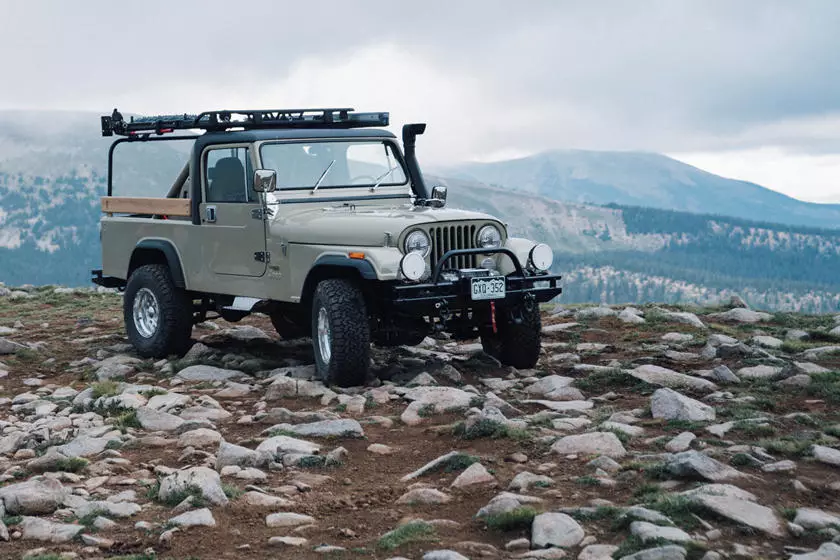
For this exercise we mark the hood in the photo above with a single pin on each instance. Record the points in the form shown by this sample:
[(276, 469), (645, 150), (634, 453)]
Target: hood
[(362, 225)]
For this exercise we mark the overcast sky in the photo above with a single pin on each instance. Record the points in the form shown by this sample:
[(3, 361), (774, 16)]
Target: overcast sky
[(748, 89)]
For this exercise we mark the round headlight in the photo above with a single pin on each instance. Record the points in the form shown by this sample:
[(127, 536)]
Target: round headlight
[(489, 237), (541, 257), (413, 266), (417, 242)]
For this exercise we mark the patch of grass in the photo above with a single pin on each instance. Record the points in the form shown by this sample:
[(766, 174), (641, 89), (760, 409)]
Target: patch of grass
[(27, 355), (788, 513), (519, 518), (587, 480), (49, 556), (633, 544), (312, 462), (825, 386), (623, 437), (787, 445), (679, 509), (341, 408), (741, 460), (753, 429), (605, 380), (136, 557), (127, 419), (370, 403), (415, 531), (232, 492), (596, 514), (647, 492), (113, 444), (12, 519), (280, 432), (797, 346), (833, 430), (655, 471), (477, 401), (682, 426), (457, 463), (153, 392), (105, 389), (176, 498), (486, 428), (802, 322), (70, 464), (426, 411), (88, 520)]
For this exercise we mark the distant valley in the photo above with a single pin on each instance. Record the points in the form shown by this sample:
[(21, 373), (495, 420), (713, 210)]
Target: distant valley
[(617, 221)]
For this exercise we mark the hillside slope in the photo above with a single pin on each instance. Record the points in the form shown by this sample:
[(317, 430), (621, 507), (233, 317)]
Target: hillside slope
[(644, 179)]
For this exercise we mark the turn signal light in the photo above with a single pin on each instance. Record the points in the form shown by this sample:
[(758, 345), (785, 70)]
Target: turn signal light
[(356, 255)]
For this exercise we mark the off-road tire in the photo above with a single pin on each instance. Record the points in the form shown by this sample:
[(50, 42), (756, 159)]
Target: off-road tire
[(515, 344), (174, 326), (286, 327), (346, 314)]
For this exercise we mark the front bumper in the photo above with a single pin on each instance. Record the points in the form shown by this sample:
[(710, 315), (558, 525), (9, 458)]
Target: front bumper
[(439, 295)]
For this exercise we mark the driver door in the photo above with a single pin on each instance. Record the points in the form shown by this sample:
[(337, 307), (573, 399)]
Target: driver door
[(233, 228)]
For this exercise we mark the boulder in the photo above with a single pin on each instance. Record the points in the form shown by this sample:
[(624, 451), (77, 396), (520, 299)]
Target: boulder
[(195, 518), (664, 377), (344, 427), (38, 529), (694, 464), (592, 443), (157, 420), (35, 496), (288, 519), (202, 479), (740, 315), (555, 529), (207, 373), (670, 405)]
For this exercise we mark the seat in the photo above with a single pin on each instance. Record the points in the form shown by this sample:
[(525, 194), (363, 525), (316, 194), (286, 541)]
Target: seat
[(227, 181)]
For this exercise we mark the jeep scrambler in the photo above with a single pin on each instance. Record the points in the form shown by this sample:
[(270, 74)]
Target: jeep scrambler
[(317, 219)]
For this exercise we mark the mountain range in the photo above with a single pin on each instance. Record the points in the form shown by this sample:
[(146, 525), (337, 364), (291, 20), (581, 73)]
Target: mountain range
[(625, 227)]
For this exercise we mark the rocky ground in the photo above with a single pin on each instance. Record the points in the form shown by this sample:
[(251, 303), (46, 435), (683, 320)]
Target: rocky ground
[(644, 433)]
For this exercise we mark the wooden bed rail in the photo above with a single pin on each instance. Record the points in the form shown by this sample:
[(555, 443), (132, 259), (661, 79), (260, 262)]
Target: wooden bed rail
[(156, 206)]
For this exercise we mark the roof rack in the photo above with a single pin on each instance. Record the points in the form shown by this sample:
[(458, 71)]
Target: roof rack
[(242, 119)]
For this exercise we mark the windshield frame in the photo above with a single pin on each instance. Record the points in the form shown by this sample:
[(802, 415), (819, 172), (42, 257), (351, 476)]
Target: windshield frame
[(395, 151)]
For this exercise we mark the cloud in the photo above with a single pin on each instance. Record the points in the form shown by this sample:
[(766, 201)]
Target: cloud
[(491, 77)]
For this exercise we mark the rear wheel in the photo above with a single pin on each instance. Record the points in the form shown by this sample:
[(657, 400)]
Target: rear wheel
[(340, 333), (157, 314), (515, 344)]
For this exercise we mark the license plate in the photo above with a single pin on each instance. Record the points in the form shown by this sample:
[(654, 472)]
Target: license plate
[(488, 288)]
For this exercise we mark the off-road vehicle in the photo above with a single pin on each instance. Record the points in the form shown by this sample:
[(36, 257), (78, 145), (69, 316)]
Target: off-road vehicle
[(316, 218)]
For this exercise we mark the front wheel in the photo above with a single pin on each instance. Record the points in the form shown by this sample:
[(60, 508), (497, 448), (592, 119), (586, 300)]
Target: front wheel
[(340, 333), (157, 314), (515, 344)]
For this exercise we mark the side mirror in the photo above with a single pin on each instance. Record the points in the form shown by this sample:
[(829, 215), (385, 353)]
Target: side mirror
[(265, 180), (438, 198)]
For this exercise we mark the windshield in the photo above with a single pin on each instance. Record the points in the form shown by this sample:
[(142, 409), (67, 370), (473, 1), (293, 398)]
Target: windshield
[(336, 164)]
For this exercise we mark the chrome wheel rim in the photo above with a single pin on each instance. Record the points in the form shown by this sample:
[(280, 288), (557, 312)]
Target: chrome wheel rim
[(324, 336), (146, 313)]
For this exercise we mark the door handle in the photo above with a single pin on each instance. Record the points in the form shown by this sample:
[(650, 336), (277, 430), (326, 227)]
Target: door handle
[(210, 213)]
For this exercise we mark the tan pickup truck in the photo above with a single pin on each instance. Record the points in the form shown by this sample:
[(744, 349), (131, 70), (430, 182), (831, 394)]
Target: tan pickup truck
[(318, 219)]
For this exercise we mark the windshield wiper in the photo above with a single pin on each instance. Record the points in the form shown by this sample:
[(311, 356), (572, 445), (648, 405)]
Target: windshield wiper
[(321, 178), (378, 180)]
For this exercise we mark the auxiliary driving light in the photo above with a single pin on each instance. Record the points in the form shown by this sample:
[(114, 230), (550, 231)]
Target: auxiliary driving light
[(413, 265), (541, 257)]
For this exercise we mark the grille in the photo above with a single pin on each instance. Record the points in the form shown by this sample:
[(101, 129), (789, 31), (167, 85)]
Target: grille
[(447, 238)]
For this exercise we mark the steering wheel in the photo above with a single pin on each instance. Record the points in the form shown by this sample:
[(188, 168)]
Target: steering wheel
[(370, 182)]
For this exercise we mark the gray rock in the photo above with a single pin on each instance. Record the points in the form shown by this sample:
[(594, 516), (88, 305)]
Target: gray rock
[(555, 529), (548, 384), (738, 505), (670, 552), (680, 443), (685, 319), (473, 475), (38, 529), (288, 519), (9, 347), (33, 497), (815, 354), (442, 398), (231, 454), (694, 464), (649, 532), (671, 405), (767, 341), (760, 372), (205, 480), (157, 420), (592, 443), (431, 465), (424, 496), (742, 316), (83, 446), (657, 375), (444, 555), (597, 552), (797, 334), (345, 427), (827, 455), (524, 480), (629, 317), (207, 373), (197, 517), (595, 312), (826, 551), (723, 374), (811, 518), (281, 445)]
